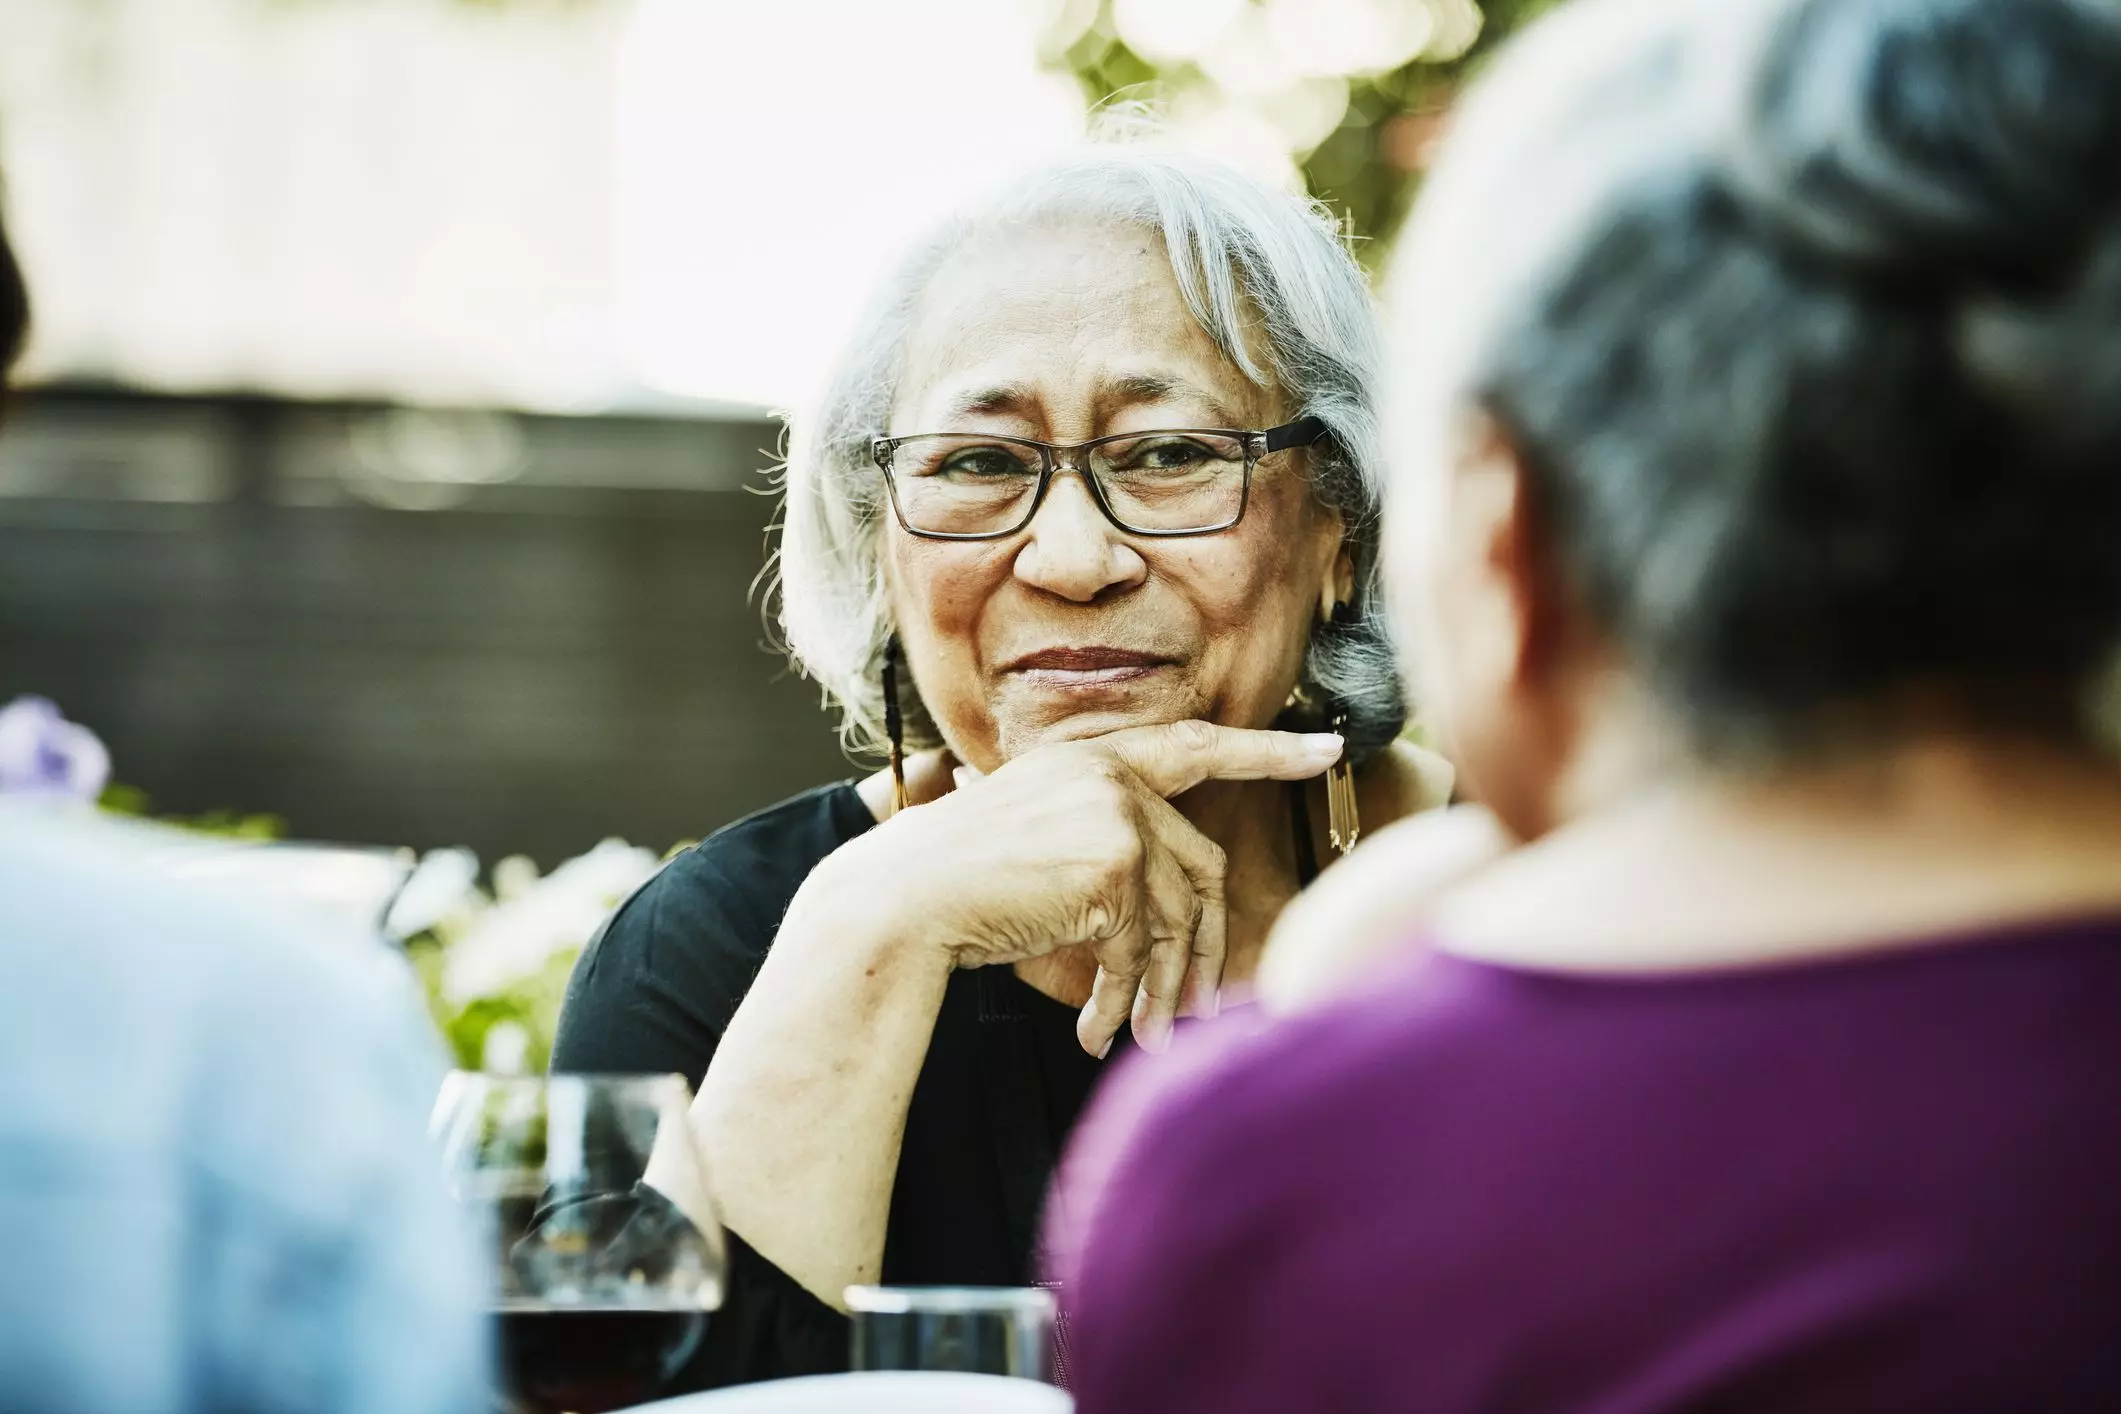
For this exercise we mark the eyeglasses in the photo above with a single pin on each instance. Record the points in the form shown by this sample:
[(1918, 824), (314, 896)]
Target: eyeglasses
[(975, 486)]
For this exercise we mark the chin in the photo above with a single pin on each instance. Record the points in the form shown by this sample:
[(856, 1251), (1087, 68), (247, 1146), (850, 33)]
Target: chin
[(1023, 736), (1028, 733)]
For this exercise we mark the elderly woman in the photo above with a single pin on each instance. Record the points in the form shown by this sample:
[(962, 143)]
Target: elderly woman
[(1759, 525), (1088, 508)]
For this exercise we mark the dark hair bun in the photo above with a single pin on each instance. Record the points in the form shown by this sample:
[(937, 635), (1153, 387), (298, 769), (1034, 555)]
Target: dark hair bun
[(1954, 141), (1824, 403)]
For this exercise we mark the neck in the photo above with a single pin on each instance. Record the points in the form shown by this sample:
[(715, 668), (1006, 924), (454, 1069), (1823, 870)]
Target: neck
[(1249, 820), (1935, 835)]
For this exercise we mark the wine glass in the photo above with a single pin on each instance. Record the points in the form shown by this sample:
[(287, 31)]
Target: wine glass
[(609, 1257)]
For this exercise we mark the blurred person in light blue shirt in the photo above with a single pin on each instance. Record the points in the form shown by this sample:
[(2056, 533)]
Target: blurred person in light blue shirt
[(215, 1191)]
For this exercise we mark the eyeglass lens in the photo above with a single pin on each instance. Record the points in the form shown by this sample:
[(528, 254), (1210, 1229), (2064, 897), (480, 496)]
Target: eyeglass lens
[(1158, 481)]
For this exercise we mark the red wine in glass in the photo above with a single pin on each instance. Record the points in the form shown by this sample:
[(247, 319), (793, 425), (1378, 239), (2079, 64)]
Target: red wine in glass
[(607, 1251), (572, 1360)]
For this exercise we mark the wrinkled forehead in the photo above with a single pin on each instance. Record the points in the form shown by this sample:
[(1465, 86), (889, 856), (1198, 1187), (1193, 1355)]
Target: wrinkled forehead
[(1019, 317), (1575, 111)]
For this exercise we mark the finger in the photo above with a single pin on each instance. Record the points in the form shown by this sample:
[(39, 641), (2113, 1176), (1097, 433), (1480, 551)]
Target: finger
[(1202, 867), (1122, 955), (1174, 915), (1111, 1002), (1174, 758), (1205, 867)]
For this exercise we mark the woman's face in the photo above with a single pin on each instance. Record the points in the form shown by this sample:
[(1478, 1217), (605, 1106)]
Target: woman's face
[(1496, 656), (1071, 627)]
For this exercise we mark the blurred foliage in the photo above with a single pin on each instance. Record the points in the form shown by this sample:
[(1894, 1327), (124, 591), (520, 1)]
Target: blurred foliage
[(530, 1004), (1368, 166), (131, 801)]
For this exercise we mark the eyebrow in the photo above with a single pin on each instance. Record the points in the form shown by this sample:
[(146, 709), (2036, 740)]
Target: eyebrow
[(1001, 397), (1126, 390), (1155, 387)]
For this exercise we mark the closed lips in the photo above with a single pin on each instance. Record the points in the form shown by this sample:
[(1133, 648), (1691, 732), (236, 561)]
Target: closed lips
[(1085, 660), (1086, 667)]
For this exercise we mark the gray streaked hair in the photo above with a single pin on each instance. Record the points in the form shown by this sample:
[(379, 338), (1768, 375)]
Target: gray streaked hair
[(1246, 257)]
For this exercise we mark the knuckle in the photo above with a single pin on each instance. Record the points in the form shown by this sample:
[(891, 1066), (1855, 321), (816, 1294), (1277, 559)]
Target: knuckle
[(1106, 769), (1120, 846), (1193, 735)]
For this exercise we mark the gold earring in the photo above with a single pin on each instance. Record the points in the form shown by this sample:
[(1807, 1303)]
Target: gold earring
[(1343, 820)]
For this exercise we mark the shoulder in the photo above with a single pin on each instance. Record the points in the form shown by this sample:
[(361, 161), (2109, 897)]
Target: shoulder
[(1244, 1092), (180, 992), (1404, 779), (663, 975), (1146, 1217), (752, 866), (273, 1069), (98, 899), (1371, 909), (1293, 1103)]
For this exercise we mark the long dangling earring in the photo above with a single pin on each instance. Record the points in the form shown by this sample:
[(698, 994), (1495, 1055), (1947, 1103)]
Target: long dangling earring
[(1343, 821), (894, 727)]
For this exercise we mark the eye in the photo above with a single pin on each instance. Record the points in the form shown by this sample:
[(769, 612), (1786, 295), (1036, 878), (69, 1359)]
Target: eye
[(1166, 453), (982, 463)]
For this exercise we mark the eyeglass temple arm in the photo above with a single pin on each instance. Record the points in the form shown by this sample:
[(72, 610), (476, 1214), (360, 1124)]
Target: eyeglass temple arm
[(1300, 433)]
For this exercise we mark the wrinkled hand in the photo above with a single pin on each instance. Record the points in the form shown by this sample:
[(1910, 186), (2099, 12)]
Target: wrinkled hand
[(1078, 845)]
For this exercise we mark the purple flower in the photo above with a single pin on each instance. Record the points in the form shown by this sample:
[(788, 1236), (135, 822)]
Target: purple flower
[(42, 753)]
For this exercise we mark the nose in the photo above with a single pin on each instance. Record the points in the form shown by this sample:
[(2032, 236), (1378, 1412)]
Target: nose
[(1072, 550)]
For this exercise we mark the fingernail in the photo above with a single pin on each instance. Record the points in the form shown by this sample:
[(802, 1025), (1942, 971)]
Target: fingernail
[(1107, 1050), (1215, 1003), (1326, 744), (963, 776)]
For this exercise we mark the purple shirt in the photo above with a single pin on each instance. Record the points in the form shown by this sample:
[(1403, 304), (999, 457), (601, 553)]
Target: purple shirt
[(1880, 1184)]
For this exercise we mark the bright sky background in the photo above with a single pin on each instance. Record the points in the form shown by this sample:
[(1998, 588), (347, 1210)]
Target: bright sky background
[(774, 158), (555, 206), (567, 205)]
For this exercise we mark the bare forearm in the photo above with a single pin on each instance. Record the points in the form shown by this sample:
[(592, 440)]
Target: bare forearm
[(803, 1110)]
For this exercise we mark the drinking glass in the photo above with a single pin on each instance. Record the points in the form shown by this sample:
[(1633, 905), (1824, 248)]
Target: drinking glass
[(979, 1330), (608, 1254)]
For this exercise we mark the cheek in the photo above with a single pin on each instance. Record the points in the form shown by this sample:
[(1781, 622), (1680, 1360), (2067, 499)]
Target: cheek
[(1256, 599), (938, 594), (937, 591)]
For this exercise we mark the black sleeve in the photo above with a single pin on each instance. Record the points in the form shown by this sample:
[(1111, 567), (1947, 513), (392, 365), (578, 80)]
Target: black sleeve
[(653, 992), (658, 983)]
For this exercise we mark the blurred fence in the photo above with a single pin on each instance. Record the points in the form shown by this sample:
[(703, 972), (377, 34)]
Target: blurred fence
[(518, 633)]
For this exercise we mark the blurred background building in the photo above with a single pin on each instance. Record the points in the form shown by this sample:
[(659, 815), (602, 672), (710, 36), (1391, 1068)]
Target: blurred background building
[(396, 452)]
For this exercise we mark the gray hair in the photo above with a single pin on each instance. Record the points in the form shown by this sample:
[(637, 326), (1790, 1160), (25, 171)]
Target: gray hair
[(1245, 256), (1809, 344)]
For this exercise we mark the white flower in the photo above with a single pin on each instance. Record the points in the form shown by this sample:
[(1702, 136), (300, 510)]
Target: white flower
[(507, 1049), (514, 938), (444, 886)]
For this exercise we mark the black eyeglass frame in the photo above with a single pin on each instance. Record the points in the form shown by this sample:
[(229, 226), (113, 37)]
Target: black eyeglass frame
[(1303, 432)]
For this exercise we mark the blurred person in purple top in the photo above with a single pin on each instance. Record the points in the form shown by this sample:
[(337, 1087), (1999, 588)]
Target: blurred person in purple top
[(1756, 544)]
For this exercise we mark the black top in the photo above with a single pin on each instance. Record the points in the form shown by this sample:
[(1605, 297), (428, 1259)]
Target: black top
[(1002, 1084)]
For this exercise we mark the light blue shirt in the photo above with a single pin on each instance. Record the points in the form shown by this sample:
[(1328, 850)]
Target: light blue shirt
[(215, 1188)]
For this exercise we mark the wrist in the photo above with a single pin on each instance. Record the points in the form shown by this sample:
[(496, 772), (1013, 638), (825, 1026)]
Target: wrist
[(869, 906)]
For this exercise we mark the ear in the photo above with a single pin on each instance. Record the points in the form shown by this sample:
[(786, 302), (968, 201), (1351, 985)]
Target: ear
[(1337, 581), (1495, 534), (1339, 584)]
